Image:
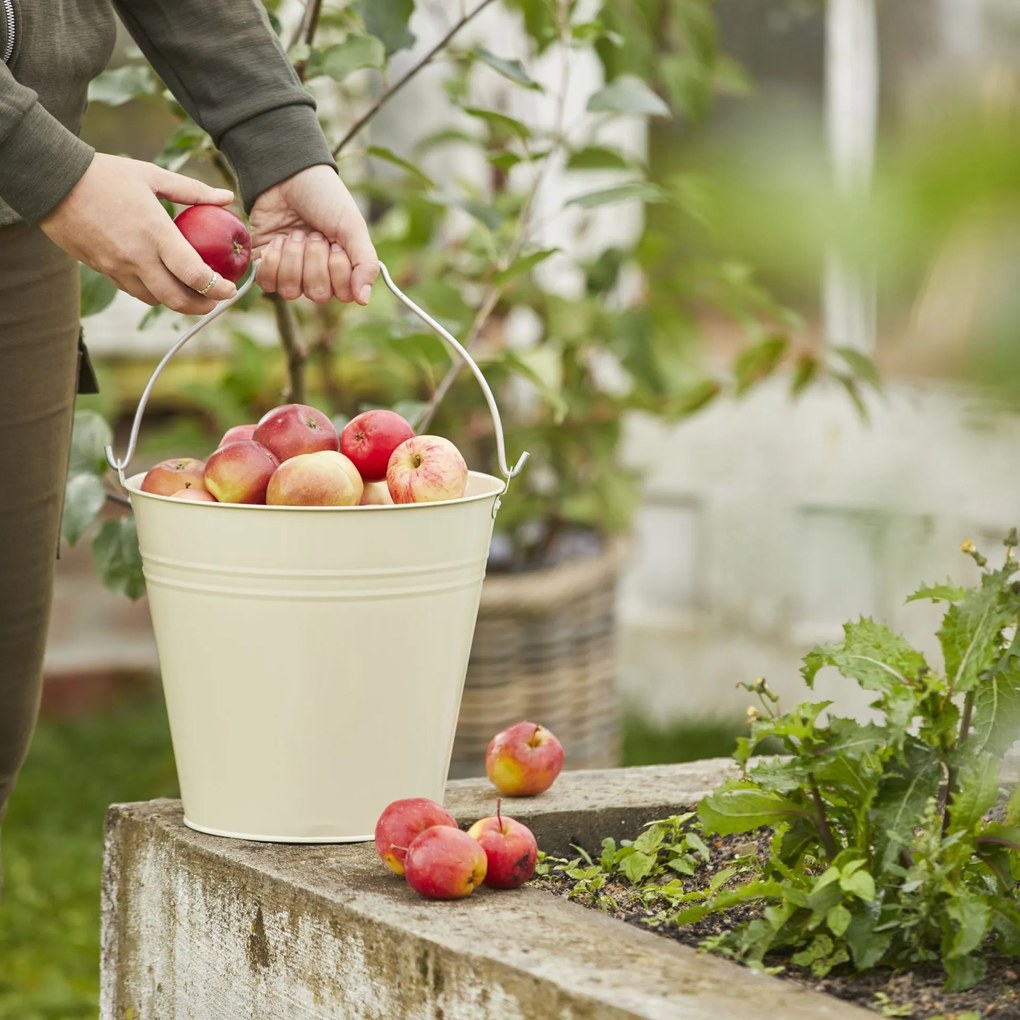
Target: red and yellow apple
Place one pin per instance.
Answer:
(194, 495)
(370, 438)
(424, 469)
(168, 476)
(291, 429)
(239, 472)
(523, 760)
(323, 478)
(400, 822)
(445, 863)
(511, 850)
(236, 432)
(376, 494)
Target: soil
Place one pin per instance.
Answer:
(912, 995)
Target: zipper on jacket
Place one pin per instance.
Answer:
(7, 10)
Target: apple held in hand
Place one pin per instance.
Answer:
(511, 850)
(169, 476)
(523, 760)
(219, 236)
(445, 863)
(292, 429)
(239, 472)
(324, 478)
(401, 822)
(425, 469)
(370, 438)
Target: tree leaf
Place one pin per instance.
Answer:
(742, 807)
(344, 58)
(501, 123)
(523, 264)
(758, 361)
(118, 559)
(84, 497)
(96, 290)
(122, 84)
(861, 365)
(381, 152)
(389, 21)
(90, 436)
(628, 94)
(642, 191)
(511, 69)
(599, 157)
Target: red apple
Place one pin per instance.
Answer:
(324, 478)
(424, 469)
(236, 432)
(376, 494)
(370, 437)
(523, 760)
(444, 863)
(291, 429)
(400, 822)
(511, 850)
(219, 236)
(239, 472)
(195, 495)
(168, 476)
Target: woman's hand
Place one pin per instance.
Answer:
(312, 239)
(112, 221)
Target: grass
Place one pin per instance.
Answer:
(53, 840)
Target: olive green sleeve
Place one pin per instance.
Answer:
(225, 65)
(41, 159)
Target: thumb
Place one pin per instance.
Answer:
(182, 190)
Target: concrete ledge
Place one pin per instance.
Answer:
(197, 927)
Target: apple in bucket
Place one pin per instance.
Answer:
(370, 438)
(323, 478)
(291, 429)
(239, 472)
(424, 469)
(169, 476)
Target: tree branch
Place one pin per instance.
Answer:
(424, 62)
(297, 353)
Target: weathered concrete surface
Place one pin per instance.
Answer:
(198, 927)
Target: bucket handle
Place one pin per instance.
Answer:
(120, 463)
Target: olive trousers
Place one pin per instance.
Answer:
(39, 330)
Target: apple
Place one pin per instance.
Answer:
(291, 429)
(424, 469)
(376, 494)
(445, 863)
(236, 432)
(240, 471)
(370, 437)
(219, 236)
(511, 850)
(400, 822)
(523, 760)
(323, 478)
(168, 476)
(195, 495)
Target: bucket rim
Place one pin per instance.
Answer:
(495, 488)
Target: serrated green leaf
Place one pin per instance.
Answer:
(84, 498)
(971, 920)
(118, 558)
(742, 807)
(342, 59)
(897, 809)
(977, 790)
(97, 292)
(640, 191)
(970, 631)
(995, 718)
(389, 20)
(628, 95)
(869, 653)
(938, 593)
(381, 152)
(511, 69)
(90, 436)
(964, 972)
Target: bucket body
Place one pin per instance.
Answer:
(312, 659)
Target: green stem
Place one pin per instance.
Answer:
(393, 90)
(828, 840)
(951, 770)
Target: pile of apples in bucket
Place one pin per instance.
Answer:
(420, 840)
(294, 455)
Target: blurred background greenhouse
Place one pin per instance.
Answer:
(755, 307)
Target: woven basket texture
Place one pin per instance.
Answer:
(544, 650)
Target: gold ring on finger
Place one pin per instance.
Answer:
(209, 286)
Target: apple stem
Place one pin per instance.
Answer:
(499, 817)
(533, 741)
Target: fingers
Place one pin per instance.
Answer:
(363, 259)
(187, 268)
(309, 265)
(340, 273)
(183, 190)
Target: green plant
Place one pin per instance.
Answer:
(472, 248)
(891, 841)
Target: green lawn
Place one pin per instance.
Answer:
(53, 840)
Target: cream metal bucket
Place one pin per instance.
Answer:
(312, 658)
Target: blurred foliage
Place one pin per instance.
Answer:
(573, 337)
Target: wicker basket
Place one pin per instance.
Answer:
(545, 650)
